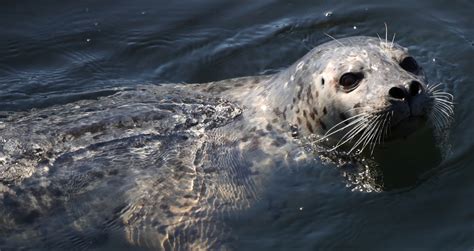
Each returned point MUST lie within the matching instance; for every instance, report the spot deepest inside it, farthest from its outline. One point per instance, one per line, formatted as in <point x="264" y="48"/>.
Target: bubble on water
<point x="328" y="14"/>
<point x="88" y="40"/>
<point x="301" y="208"/>
<point x="434" y="59"/>
<point x="355" y="27"/>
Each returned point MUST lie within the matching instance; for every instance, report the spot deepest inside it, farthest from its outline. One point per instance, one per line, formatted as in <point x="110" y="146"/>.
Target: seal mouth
<point x="407" y="126"/>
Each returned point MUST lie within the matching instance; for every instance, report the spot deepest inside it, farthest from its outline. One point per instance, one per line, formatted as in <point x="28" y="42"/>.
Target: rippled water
<point x="53" y="52"/>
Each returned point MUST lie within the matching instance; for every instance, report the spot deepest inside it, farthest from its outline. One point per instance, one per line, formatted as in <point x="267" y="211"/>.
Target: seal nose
<point x="397" y="92"/>
<point x="414" y="88"/>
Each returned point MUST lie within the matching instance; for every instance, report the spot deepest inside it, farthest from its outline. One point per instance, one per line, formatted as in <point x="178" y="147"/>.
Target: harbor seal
<point x="168" y="166"/>
<point x="354" y="89"/>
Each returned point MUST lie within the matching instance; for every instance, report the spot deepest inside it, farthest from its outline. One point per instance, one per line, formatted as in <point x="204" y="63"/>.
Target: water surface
<point x="56" y="52"/>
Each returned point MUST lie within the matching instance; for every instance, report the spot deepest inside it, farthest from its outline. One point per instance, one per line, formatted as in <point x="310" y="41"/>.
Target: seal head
<point x="357" y="90"/>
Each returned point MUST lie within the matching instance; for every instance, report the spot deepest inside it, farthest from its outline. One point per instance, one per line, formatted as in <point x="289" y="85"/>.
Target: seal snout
<point x="402" y="93"/>
<point x="408" y="102"/>
<point x="414" y="88"/>
<point x="398" y="92"/>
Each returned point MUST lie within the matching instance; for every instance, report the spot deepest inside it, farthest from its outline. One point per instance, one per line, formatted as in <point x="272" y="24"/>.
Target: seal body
<point x="167" y="166"/>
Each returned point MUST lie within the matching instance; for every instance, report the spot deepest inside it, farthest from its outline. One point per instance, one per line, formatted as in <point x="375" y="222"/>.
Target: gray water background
<point x="55" y="52"/>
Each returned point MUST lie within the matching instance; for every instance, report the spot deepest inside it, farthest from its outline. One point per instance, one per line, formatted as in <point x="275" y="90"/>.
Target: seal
<point x="349" y="90"/>
<point x="168" y="166"/>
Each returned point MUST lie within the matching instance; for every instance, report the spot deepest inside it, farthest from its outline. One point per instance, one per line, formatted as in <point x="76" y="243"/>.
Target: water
<point x="55" y="52"/>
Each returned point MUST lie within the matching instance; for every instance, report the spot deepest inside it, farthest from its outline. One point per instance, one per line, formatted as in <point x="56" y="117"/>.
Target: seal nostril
<point x="415" y="88"/>
<point x="396" y="92"/>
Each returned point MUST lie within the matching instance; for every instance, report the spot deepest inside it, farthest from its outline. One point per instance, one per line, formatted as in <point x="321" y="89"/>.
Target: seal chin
<point x="407" y="126"/>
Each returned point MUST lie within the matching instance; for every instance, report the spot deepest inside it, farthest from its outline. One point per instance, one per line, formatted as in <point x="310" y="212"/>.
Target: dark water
<point x="53" y="52"/>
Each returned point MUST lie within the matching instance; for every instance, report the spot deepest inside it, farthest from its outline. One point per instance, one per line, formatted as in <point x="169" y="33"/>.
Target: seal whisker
<point x="387" y="126"/>
<point x="433" y="87"/>
<point x="361" y="139"/>
<point x="383" y="130"/>
<point x="442" y="102"/>
<point x="372" y="140"/>
<point x="446" y="103"/>
<point x="359" y="126"/>
<point x="435" y="91"/>
<point x="380" y="137"/>
<point x="333" y="130"/>
<point x="445" y="95"/>
<point x="345" y="127"/>
<point x="446" y="116"/>
<point x="393" y="40"/>
<point x="333" y="38"/>
<point x="377" y="125"/>
<point x="350" y="135"/>
<point x="442" y="93"/>
<point x="353" y="132"/>
<point x="386" y="33"/>
<point x="389" y="131"/>
<point x="442" y="108"/>
<point x="383" y="133"/>
<point x="438" y="121"/>
<point x="445" y="107"/>
<point x="367" y="132"/>
<point x="444" y="111"/>
<point x="355" y="108"/>
<point x="380" y="39"/>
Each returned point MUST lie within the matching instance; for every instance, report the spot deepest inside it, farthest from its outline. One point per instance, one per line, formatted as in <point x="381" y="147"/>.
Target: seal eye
<point x="350" y="80"/>
<point x="409" y="64"/>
